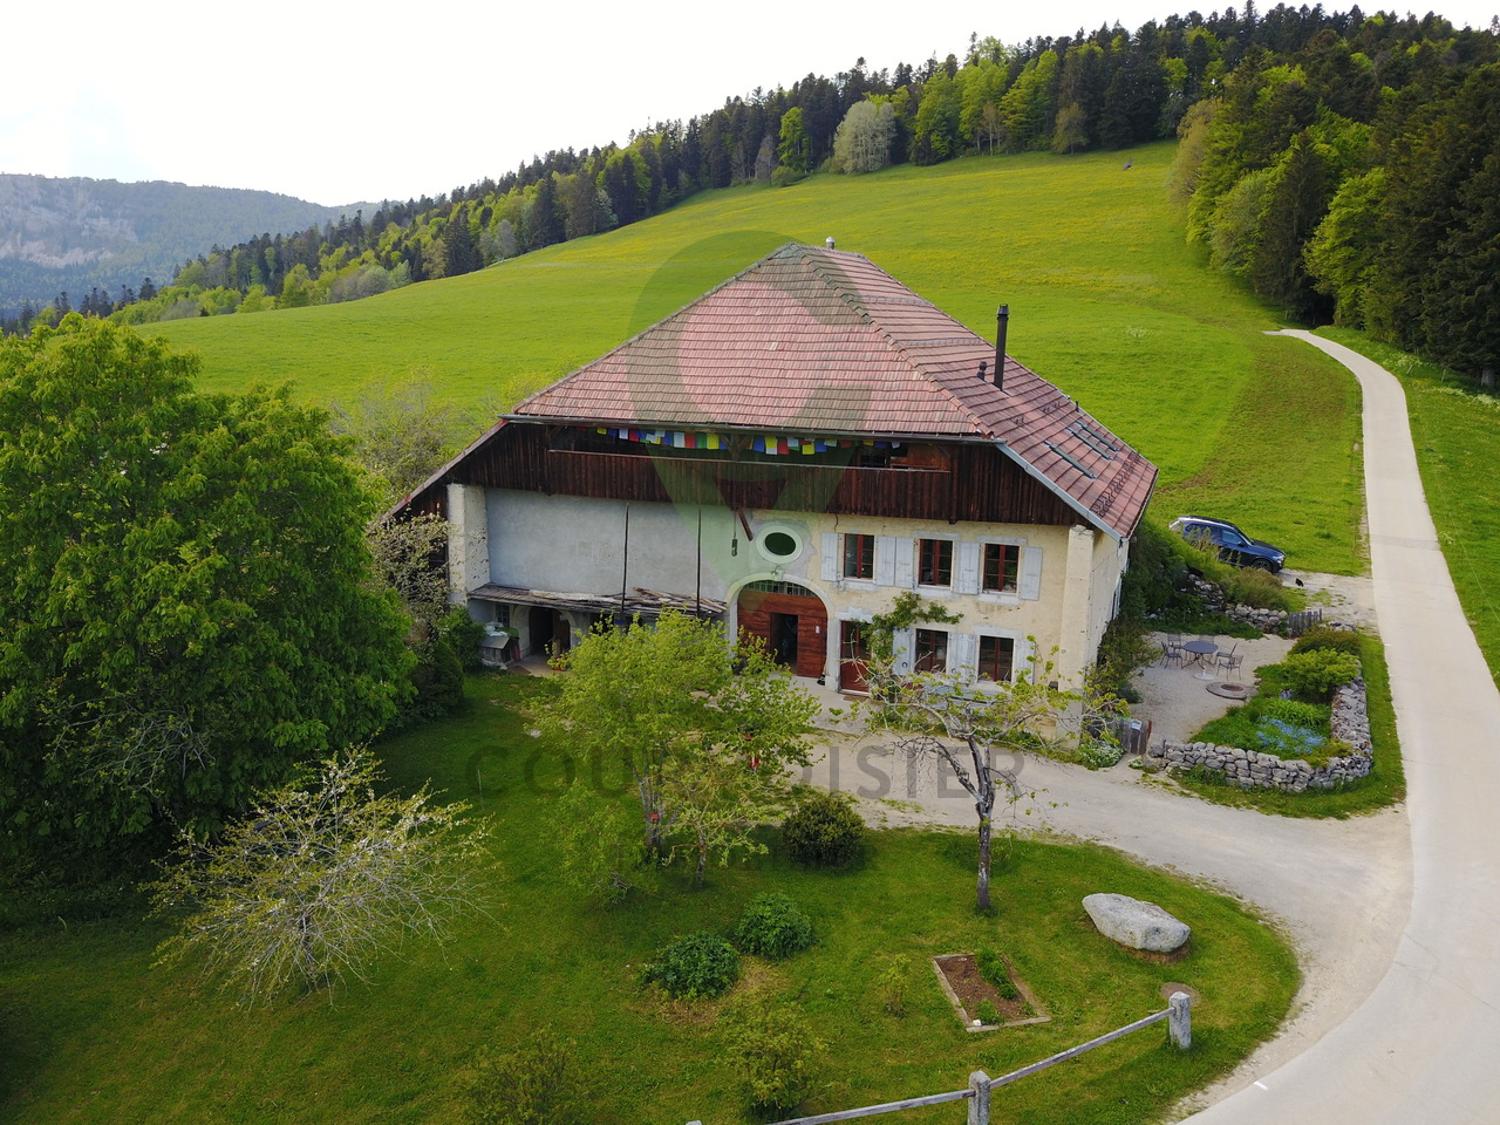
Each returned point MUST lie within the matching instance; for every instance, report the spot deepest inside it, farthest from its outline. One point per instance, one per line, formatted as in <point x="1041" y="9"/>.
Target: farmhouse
<point x="788" y="453"/>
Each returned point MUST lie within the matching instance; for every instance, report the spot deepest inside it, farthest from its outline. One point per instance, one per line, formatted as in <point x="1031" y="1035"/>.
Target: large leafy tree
<point x="186" y="599"/>
<point x="703" y="733"/>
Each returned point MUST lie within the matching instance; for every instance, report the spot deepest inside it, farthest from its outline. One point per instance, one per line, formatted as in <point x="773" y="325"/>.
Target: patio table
<point x="1201" y="651"/>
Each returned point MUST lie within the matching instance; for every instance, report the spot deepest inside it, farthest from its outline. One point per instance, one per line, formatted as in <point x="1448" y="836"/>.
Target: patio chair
<point x="1171" y="654"/>
<point x="1224" y="656"/>
<point x="1232" y="664"/>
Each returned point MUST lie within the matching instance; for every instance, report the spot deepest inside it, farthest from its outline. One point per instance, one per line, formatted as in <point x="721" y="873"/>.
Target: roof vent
<point x="984" y="368"/>
<point x="828" y="242"/>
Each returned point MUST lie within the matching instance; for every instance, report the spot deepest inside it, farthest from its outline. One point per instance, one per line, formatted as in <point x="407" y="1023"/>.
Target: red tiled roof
<point x="820" y="341"/>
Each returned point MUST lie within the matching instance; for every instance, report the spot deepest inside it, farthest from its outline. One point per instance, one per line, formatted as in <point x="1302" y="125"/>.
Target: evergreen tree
<point x="1295" y="204"/>
<point x="459" y="253"/>
<point x="546" y="221"/>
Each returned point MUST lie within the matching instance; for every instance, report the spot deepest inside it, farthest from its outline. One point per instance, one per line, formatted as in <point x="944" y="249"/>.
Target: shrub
<point x="1340" y="640"/>
<point x="891" y="984"/>
<point x="988" y="1014"/>
<point x="774" y="1051"/>
<point x="1256" y="588"/>
<point x="1314" y="674"/>
<point x="699" y="965"/>
<point x="535" y="1082"/>
<point x="992" y="968"/>
<point x="437" y="680"/>
<point x="463" y="635"/>
<point x="773" y="926"/>
<point x="1290" y="711"/>
<point x="1098" y="754"/>
<point x="823" y="830"/>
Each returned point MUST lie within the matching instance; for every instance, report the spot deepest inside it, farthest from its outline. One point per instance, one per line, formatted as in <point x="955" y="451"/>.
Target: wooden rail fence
<point x="1178" y="1017"/>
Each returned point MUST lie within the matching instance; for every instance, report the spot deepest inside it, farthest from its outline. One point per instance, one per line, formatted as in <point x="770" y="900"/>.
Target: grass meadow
<point x="1106" y="301"/>
<point x="92" y="1032"/>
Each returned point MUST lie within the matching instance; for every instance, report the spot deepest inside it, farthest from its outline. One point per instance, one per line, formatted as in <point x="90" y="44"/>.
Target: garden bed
<point x="967" y="990"/>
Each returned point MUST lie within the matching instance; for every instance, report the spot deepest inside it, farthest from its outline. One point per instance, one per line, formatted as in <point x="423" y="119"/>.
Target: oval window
<point x="780" y="544"/>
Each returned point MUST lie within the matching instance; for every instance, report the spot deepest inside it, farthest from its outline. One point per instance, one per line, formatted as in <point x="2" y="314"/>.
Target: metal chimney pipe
<point x="828" y="242"/>
<point x="1002" y="323"/>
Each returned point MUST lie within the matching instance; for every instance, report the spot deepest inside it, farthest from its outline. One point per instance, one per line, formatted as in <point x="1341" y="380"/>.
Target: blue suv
<point x="1232" y="544"/>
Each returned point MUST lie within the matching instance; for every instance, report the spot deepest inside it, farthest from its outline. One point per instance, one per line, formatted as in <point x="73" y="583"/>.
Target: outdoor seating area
<point x="1185" y="687"/>
<point x="1203" y="655"/>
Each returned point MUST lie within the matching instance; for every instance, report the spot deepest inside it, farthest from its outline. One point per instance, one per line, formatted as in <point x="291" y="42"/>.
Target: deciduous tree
<point x="671" y="704"/>
<point x="323" y="875"/>
<point x="186" y="604"/>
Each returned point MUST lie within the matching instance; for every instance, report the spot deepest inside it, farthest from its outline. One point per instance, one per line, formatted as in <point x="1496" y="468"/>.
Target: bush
<point x="1257" y="588"/>
<point x="700" y="965"/>
<point x="1290" y="711"/>
<point x="891" y="985"/>
<point x="1339" y="640"/>
<point x="437" y="680"/>
<point x="773" y="926"/>
<point x="773" y="1050"/>
<point x="992" y="968"/>
<point x="823" y="830"/>
<point x="463" y="635"/>
<point x="1098" y="754"/>
<point x="535" y="1082"/>
<point x="988" y="1014"/>
<point x="1314" y="674"/>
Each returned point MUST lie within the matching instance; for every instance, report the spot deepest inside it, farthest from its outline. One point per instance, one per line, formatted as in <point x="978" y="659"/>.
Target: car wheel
<point x="1264" y="564"/>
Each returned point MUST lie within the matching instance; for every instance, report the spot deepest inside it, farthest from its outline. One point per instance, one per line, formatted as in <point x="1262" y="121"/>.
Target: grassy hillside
<point x="1105" y="301"/>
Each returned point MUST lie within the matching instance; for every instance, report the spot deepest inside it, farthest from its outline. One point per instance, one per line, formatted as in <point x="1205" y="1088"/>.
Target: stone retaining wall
<point x="1250" y="769"/>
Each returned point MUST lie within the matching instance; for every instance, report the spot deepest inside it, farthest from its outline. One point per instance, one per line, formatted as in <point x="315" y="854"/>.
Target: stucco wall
<point x="573" y="544"/>
<point x="1109" y="568"/>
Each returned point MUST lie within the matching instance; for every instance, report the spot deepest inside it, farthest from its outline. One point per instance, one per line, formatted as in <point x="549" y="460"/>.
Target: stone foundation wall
<point x="1250" y="769"/>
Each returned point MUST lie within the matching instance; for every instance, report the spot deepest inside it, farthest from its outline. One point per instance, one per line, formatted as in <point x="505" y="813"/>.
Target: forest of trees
<point x="1358" y="179"/>
<point x="1292" y="122"/>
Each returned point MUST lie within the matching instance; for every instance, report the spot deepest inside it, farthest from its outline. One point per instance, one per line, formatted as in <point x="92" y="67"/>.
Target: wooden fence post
<point x="1180" y="1021"/>
<point x="979" y="1104"/>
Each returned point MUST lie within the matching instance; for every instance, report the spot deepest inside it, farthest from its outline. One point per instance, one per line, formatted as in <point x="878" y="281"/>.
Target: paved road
<point x="1425" y="1046"/>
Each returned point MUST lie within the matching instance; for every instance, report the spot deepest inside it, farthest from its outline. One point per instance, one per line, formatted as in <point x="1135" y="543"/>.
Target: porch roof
<point x="647" y="603"/>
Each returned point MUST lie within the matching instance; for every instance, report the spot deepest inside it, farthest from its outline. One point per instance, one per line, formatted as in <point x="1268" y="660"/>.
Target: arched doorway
<point x="790" y="619"/>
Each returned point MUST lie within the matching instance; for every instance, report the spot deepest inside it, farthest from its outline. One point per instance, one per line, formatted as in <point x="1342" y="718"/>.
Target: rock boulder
<point x="1137" y="924"/>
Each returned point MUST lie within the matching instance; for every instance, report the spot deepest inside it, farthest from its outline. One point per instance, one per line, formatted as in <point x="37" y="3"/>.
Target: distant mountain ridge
<point x="74" y="234"/>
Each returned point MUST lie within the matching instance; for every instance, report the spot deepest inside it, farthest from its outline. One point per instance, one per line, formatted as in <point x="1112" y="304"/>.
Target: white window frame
<point x="1002" y="597"/>
<point x="765" y="531"/>
<point x="947" y="591"/>
<point x="1021" y="654"/>
<point x="932" y="627"/>
<point x="859" y="583"/>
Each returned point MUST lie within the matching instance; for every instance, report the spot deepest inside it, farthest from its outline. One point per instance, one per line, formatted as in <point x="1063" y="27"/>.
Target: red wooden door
<point x="853" y="653"/>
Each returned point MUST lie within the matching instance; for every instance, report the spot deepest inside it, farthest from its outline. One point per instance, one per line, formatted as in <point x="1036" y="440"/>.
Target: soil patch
<point x="967" y="990"/>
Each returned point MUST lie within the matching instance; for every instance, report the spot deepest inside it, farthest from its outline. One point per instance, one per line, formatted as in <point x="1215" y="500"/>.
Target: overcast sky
<point x="337" y="103"/>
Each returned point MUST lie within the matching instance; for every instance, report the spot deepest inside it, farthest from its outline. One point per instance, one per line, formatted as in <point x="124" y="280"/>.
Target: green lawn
<point x="1457" y="437"/>
<point x="1107" y="301"/>
<point x="91" y="1032"/>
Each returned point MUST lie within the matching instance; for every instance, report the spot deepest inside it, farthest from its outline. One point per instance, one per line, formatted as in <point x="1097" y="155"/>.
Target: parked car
<point x="1232" y="544"/>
